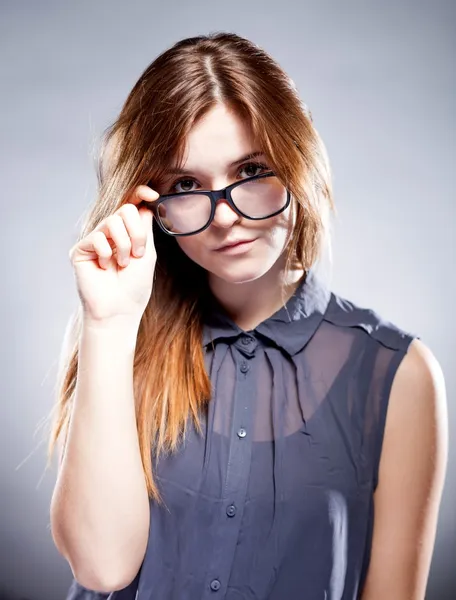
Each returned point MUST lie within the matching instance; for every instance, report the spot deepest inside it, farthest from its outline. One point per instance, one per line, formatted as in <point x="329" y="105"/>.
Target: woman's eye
<point x="186" y="183"/>
<point x="255" y="166"/>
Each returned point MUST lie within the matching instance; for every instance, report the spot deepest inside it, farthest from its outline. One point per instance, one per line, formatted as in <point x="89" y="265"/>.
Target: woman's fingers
<point x="122" y="233"/>
<point x="114" y="229"/>
<point x="142" y="192"/>
<point x="94" y="245"/>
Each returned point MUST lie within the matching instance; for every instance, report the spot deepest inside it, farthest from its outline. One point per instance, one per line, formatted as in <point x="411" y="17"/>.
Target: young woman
<point x="228" y="426"/>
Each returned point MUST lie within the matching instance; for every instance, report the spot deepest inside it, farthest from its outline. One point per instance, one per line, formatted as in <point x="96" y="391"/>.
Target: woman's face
<point x="219" y="139"/>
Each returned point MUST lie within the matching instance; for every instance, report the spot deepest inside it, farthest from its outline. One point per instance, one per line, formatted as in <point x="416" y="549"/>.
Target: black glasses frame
<point x="214" y="196"/>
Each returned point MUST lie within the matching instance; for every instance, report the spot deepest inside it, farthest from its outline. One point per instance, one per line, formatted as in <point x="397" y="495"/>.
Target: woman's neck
<point x="249" y="304"/>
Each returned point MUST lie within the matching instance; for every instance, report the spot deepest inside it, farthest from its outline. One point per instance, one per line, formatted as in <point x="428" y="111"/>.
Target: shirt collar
<point x="290" y="328"/>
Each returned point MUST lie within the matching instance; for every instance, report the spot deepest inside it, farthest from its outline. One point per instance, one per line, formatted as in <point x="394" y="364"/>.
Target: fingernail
<point x="140" y="250"/>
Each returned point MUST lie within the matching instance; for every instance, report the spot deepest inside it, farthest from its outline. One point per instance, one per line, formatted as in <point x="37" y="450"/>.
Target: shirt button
<point x="215" y="585"/>
<point x="244" y="367"/>
<point x="231" y="510"/>
<point x="242" y="432"/>
<point x="246" y="341"/>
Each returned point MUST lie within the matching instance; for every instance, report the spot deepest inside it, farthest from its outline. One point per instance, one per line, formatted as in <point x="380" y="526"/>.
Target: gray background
<point x="380" y="81"/>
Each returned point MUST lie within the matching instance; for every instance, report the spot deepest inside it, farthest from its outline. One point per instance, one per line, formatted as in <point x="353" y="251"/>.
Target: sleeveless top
<point x="275" y="501"/>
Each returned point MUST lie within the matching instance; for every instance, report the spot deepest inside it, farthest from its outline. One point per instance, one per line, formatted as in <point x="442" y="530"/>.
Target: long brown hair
<point x="178" y="88"/>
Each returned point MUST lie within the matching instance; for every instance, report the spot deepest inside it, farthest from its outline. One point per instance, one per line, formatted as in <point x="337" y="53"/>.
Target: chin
<point x="238" y="273"/>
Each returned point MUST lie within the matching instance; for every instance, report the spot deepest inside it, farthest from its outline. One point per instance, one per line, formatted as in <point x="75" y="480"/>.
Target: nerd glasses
<point x="188" y="213"/>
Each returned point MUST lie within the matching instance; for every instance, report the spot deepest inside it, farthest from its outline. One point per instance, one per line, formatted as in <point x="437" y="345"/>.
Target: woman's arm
<point x="411" y="478"/>
<point x="100" y="507"/>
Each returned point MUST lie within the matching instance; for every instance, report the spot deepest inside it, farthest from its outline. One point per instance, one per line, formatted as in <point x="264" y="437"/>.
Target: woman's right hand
<point x="114" y="280"/>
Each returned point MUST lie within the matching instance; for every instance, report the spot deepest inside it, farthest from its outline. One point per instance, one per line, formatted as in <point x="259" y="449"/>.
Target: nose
<point x="224" y="216"/>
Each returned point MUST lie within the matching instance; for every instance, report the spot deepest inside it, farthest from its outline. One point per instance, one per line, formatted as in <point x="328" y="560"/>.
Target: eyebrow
<point x="251" y="156"/>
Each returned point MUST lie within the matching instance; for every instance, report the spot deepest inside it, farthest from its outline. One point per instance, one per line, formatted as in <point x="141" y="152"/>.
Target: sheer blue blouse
<point x="275" y="501"/>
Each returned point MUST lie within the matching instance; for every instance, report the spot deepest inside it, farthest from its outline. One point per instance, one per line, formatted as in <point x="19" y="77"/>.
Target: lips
<point x="234" y="243"/>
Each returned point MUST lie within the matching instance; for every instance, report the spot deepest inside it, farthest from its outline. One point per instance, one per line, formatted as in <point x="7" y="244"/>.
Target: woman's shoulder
<point x="344" y="312"/>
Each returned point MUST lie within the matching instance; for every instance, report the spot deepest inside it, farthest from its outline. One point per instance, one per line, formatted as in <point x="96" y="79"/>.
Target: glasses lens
<point x="260" y="198"/>
<point x="185" y="214"/>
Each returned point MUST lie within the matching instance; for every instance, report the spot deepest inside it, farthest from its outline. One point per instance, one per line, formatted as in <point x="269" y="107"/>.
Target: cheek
<point x="281" y="228"/>
<point x="193" y="247"/>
